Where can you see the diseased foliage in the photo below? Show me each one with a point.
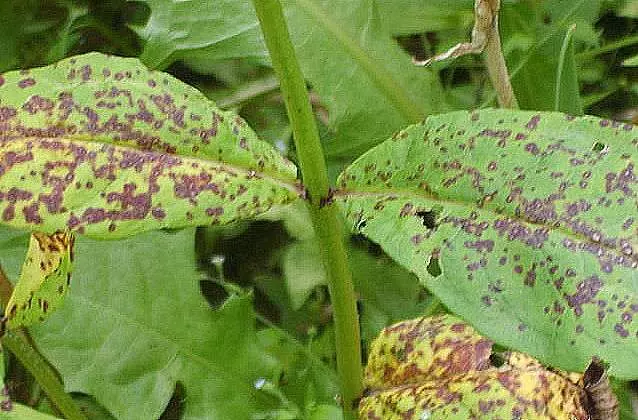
(44, 280)
(522, 222)
(440, 368)
(102, 146)
(118, 152)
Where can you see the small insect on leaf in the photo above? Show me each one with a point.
(44, 280)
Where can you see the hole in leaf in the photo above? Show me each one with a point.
(434, 268)
(598, 147)
(428, 218)
(214, 293)
(497, 359)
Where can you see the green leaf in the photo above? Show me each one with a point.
(44, 280)
(135, 324)
(302, 270)
(631, 61)
(203, 31)
(102, 146)
(567, 96)
(22, 412)
(369, 85)
(345, 50)
(520, 222)
(36, 31)
(536, 66)
(305, 381)
(406, 17)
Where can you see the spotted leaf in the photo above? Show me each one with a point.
(440, 368)
(105, 147)
(521, 222)
(44, 280)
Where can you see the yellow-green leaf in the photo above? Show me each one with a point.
(103, 146)
(44, 280)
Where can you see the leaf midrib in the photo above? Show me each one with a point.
(282, 182)
(493, 213)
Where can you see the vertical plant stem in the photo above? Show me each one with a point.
(325, 218)
(20, 344)
(496, 66)
(43, 373)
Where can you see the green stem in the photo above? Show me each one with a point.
(43, 373)
(325, 218)
(20, 344)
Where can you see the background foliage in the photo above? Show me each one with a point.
(168, 319)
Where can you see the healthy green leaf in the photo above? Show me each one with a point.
(44, 280)
(369, 85)
(19, 411)
(102, 146)
(36, 31)
(631, 61)
(522, 223)
(567, 96)
(538, 63)
(209, 31)
(135, 324)
(406, 17)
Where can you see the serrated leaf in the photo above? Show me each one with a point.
(44, 280)
(440, 368)
(105, 147)
(522, 223)
(135, 324)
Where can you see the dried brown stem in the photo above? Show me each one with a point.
(485, 38)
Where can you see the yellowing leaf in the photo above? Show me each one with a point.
(105, 147)
(440, 368)
(44, 279)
